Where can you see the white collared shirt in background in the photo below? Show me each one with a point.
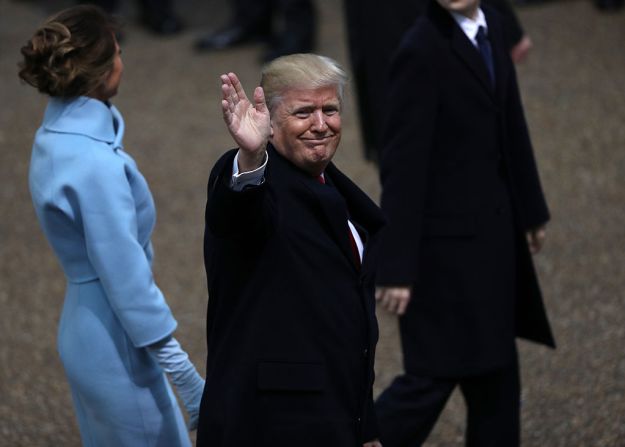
(470, 26)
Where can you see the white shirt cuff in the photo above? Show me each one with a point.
(249, 178)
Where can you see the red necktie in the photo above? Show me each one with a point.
(321, 179)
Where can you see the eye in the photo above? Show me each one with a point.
(329, 111)
(302, 114)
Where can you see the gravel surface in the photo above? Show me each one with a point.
(573, 89)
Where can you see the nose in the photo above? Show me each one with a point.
(318, 122)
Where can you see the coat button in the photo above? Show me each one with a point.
(365, 352)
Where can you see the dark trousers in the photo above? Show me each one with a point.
(408, 409)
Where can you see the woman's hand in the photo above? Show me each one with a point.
(189, 384)
(249, 124)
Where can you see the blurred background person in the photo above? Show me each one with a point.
(94, 206)
(466, 209)
(286, 26)
(374, 33)
(609, 5)
(155, 15)
(603, 5)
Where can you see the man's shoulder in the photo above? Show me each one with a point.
(338, 175)
(220, 165)
(424, 35)
(226, 157)
(365, 207)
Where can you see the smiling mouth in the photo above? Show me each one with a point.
(318, 140)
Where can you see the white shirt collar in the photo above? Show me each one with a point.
(470, 26)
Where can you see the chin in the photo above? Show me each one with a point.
(321, 156)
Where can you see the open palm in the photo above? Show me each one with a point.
(248, 123)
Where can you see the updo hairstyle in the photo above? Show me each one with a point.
(71, 54)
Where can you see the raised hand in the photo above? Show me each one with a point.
(249, 124)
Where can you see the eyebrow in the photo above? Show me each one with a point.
(310, 106)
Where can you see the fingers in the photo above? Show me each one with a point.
(394, 299)
(403, 304)
(536, 239)
(236, 85)
(231, 88)
(400, 301)
(233, 95)
(520, 51)
(379, 291)
(226, 85)
(539, 239)
(529, 236)
(228, 98)
(259, 100)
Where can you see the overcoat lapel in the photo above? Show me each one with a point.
(363, 212)
(335, 211)
(332, 204)
(472, 58)
(462, 46)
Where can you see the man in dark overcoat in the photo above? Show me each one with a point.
(374, 33)
(290, 249)
(466, 209)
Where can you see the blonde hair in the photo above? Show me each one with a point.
(71, 54)
(304, 70)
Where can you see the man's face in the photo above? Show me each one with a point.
(306, 127)
(467, 8)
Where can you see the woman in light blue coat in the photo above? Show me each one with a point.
(115, 334)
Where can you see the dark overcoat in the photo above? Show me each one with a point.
(374, 33)
(460, 188)
(291, 327)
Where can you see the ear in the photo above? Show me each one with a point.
(270, 128)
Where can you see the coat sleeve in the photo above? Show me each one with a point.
(371, 430)
(525, 178)
(231, 213)
(512, 26)
(123, 265)
(412, 110)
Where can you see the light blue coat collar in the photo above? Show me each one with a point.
(85, 116)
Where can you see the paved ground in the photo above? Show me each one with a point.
(573, 87)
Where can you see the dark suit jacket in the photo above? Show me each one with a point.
(374, 33)
(460, 188)
(291, 326)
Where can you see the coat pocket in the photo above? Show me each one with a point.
(281, 376)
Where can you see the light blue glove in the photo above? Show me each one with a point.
(189, 384)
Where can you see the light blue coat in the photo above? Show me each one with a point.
(98, 214)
